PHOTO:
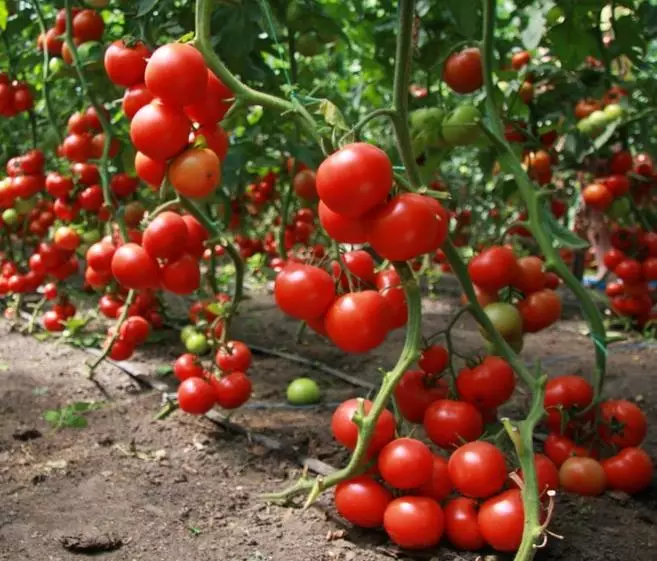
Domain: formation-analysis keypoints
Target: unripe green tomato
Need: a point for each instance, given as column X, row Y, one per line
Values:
column 308, row 44
column 24, row 206
column 585, row 126
column 186, row 332
column 197, row 344
column 90, row 52
column 10, row 217
column 91, row 236
column 598, row 120
column 303, row 391
column 619, row 209
column 613, row 111
column 55, row 65
column 461, row 126
column 506, row 318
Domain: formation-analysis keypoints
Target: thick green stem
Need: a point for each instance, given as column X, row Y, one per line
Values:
column 409, row 354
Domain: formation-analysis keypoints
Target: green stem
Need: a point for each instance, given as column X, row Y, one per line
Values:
column 408, row 355
column 358, row 127
column 33, row 126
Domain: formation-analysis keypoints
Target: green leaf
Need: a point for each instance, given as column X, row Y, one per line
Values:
column 332, row 115
column 164, row 370
column 83, row 406
column 52, row 416
column 145, row 7
column 76, row 422
column 465, row 14
column 572, row 43
column 74, row 324
column 4, row 14
column 604, row 137
column 42, row 336
column 561, row 235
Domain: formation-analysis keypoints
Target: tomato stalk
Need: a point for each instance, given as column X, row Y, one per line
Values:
column 117, row 328
column 100, row 111
column 29, row 329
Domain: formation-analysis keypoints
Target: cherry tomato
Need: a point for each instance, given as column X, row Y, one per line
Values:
column 539, row 310
column 305, row 185
column 159, row 131
column 415, row 392
column 501, row 520
column 531, row 277
column 570, row 394
column 630, row 470
column 234, row 356
column 597, row 196
column 520, row 59
column 583, row 476
column 414, row 522
column 52, row 321
column 405, row 463
column 232, row 390
column 488, row 385
column 629, row 270
column 196, row 396
column 135, row 330
column 341, row 228
column 125, row 64
column 450, row 423
column 434, row 359
column 477, row 469
column 345, row 430
column 462, row 524
column 195, row 173
column 213, row 106
column 187, row 366
column 134, row 98
column 622, row 423
column 120, row 350
column 181, row 276
column 547, row 474
column 463, row 71
column 166, row 236
column 362, row 501
column 133, row 268
column 303, row 291
column 88, row 25
column 494, row 268
column 439, row 485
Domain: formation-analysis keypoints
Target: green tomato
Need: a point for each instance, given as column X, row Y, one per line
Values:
column 10, row 217
column 197, row 344
column 426, row 129
column 90, row 52
column 619, row 209
column 186, row 332
column 461, row 126
column 598, row 120
column 309, row 44
column 585, row 126
column 55, row 65
column 554, row 15
column 613, row 111
column 91, row 236
column 506, row 318
column 303, row 391
column 23, row 206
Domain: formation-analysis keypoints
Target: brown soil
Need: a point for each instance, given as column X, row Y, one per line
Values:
column 129, row 488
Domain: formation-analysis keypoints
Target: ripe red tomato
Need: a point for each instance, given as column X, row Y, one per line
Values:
column 613, row 258
column 187, row 366
column 234, row 356
column 52, row 321
column 597, row 196
column 360, row 265
column 629, row 270
column 135, row 330
column 405, row 228
column 629, row 471
column 622, row 423
column 109, row 306
column 415, row 392
column 569, row 394
column 134, row 98
column 67, row 238
column 305, row 185
column 618, row 184
column 355, row 179
column 439, row 485
column 547, row 474
column 621, row 162
column 87, row 174
column 362, row 501
column 196, row 396
column 77, row 147
column 414, row 522
column 462, row 524
column 176, row 74
column 149, row 170
column 494, row 268
column 213, row 106
column 341, row 228
column 133, row 268
column 531, row 277
column 58, row 185
column 643, row 165
column 649, row 268
column 488, row 385
column 559, row 448
column 233, row 390
column 463, row 71
column 585, row 107
column 125, row 64
column 520, row 59
column 501, row 521
column 434, row 359
column 539, row 310
column 450, row 423
column 50, row 291
column 166, row 236
column 358, row 322
column 98, row 145
column 195, row 173
column 196, row 236
column 159, row 131
column 99, row 256
column 583, row 476
column 181, row 276
column 120, row 350
column 477, row 469
column 345, row 430
column 405, row 463
column 303, row 291
column 32, row 162
column 88, row 25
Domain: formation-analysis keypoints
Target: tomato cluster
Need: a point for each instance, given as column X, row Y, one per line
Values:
column 15, row 96
column 88, row 26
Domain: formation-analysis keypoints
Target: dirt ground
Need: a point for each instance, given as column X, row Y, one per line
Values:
column 186, row 489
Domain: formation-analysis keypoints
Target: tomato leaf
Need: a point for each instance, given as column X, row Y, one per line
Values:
column 572, row 43
column 465, row 14
column 164, row 370
column 4, row 14
column 561, row 235
column 146, row 7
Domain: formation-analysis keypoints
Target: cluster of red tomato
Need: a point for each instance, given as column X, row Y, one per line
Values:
column 225, row 384
column 15, row 96
column 88, row 26
column 169, row 90
column 24, row 179
column 633, row 259
column 85, row 139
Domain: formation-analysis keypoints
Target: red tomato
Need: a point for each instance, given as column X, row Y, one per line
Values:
column 77, row 147
column 98, row 146
column 415, row 392
column 355, row 179
column 449, row 423
column 539, row 310
column 67, row 238
column 99, row 256
column 149, row 170
column 196, row 396
column 622, row 423
column 649, row 268
column 414, row 522
column 362, row 501
column 439, row 485
column 345, row 430
column 629, row 471
column 120, row 350
column 159, row 131
column 629, row 270
column 559, row 448
column 213, row 106
column 531, row 277
column 341, row 228
column 547, row 474
column 463, row 71
column 621, row 162
column 234, row 356
column 405, row 463
column 195, row 173
column 520, row 60
column 88, row 25
column 166, row 236
column 135, row 330
column 583, row 476
column 462, row 524
column 434, row 359
column 133, row 268
column 569, row 394
column 613, row 258
column 196, row 236
column 109, row 306
column 501, row 521
column 477, row 469
column 52, row 321
column 187, row 366
column 618, row 184
column 494, row 268
column 303, row 291
column 305, row 185
column 125, row 64
column 87, row 174
column 181, row 276
column 134, row 98
column 233, row 390
column 176, row 74
column 597, row 196
column 358, row 322
column 58, row 186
